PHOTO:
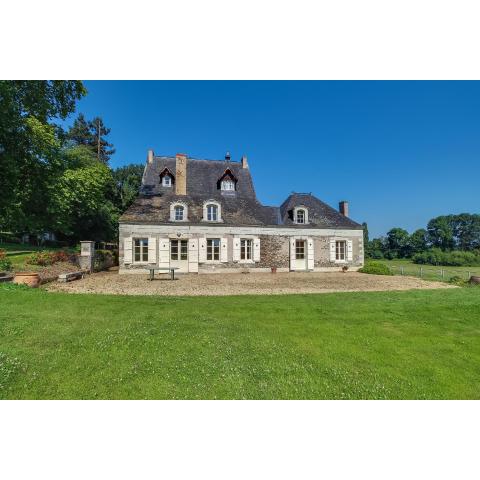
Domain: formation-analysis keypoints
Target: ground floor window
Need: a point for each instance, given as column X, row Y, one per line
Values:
column 299, row 249
column 341, row 250
column 245, row 249
column 179, row 249
column 213, row 249
column 141, row 250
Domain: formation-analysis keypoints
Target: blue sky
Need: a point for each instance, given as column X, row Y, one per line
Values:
column 399, row 152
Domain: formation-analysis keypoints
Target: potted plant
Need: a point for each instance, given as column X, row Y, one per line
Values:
column 345, row 268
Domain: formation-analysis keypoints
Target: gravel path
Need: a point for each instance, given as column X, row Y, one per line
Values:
column 241, row 284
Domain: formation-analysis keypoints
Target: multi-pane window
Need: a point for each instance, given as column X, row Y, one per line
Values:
column 179, row 249
column 299, row 249
column 212, row 212
column 140, row 249
column 300, row 216
column 245, row 249
column 228, row 185
column 341, row 250
column 179, row 212
column 167, row 181
column 213, row 249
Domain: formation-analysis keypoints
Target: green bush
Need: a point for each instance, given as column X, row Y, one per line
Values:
column 375, row 268
column 5, row 262
column 455, row 258
column 48, row 258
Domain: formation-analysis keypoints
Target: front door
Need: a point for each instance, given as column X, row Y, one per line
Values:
column 300, row 254
column 179, row 255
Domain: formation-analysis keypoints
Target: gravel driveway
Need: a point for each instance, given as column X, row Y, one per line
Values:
column 241, row 284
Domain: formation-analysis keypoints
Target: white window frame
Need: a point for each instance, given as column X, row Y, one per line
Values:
column 305, row 215
column 143, row 250
column 213, row 260
column 166, row 183
column 178, row 247
column 338, row 251
column 227, row 185
column 246, row 241
column 173, row 206
column 205, row 211
column 305, row 247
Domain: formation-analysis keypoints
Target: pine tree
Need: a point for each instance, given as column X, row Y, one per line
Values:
column 103, row 148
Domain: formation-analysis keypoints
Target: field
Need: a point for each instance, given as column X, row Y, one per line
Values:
column 371, row 345
column 430, row 272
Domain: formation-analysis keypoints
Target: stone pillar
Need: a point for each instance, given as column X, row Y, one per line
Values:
column 87, row 254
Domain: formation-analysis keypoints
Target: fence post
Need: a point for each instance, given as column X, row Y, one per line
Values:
column 421, row 272
column 402, row 270
column 443, row 274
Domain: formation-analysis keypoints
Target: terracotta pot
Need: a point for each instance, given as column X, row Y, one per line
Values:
column 274, row 269
column 31, row 279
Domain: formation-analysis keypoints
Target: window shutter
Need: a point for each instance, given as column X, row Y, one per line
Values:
column 292, row 253
column 236, row 249
column 193, row 255
column 224, row 250
column 202, row 250
column 163, row 252
column 332, row 251
column 256, row 249
column 152, row 250
column 349, row 250
column 310, row 254
column 127, row 250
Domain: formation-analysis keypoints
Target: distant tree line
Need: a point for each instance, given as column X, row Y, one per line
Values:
column 447, row 240
column 54, row 180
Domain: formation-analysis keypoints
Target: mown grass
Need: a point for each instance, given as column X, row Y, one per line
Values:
column 380, row 345
column 430, row 272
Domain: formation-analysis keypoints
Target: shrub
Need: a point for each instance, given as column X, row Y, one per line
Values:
column 376, row 254
column 5, row 262
column 48, row 258
column 375, row 268
column 455, row 258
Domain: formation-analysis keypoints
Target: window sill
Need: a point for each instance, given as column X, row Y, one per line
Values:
column 246, row 261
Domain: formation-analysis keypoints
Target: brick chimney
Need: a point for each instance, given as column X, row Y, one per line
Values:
column 343, row 208
column 181, row 174
column 150, row 156
column 244, row 162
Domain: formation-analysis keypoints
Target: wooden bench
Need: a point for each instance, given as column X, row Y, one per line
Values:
column 68, row 277
column 165, row 269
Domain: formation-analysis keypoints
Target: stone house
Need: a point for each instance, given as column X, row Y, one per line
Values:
column 203, row 216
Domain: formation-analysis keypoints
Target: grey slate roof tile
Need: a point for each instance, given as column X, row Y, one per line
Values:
column 238, row 208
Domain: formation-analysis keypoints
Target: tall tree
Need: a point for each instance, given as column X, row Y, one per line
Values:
column 418, row 241
column 127, row 182
column 92, row 134
column 441, row 232
column 29, row 147
column 397, row 242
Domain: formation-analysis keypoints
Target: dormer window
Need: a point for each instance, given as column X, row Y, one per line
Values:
column 227, row 182
column 300, row 215
column 167, row 181
column 228, row 185
column 178, row 212
column 212, row 211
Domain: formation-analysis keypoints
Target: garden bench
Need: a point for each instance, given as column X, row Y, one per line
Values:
column 68, row 277
column 165, row 269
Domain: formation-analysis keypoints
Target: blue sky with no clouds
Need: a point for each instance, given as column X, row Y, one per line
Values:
column 400, row 152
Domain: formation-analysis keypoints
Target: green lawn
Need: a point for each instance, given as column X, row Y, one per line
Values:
column 430, row 272
column 385, row 345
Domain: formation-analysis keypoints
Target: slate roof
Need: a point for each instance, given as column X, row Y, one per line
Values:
column 240, row 207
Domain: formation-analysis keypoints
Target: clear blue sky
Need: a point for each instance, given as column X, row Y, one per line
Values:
column 400, row 152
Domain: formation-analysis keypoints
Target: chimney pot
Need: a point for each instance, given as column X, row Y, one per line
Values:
column 343, row 208
column 244, row 162
column 150, row 156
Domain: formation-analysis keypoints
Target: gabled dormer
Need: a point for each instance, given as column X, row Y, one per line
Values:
column 167, row 179
column 227, row 182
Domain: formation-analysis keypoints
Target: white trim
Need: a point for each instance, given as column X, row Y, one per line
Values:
column 128, row 250
column 219, row 211
column 172, row 211
column 305, row 211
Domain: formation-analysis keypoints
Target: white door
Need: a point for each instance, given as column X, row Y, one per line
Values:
column 179, row 255
column 300, row 254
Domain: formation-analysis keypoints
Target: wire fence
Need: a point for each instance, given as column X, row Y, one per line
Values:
column 434, row 273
